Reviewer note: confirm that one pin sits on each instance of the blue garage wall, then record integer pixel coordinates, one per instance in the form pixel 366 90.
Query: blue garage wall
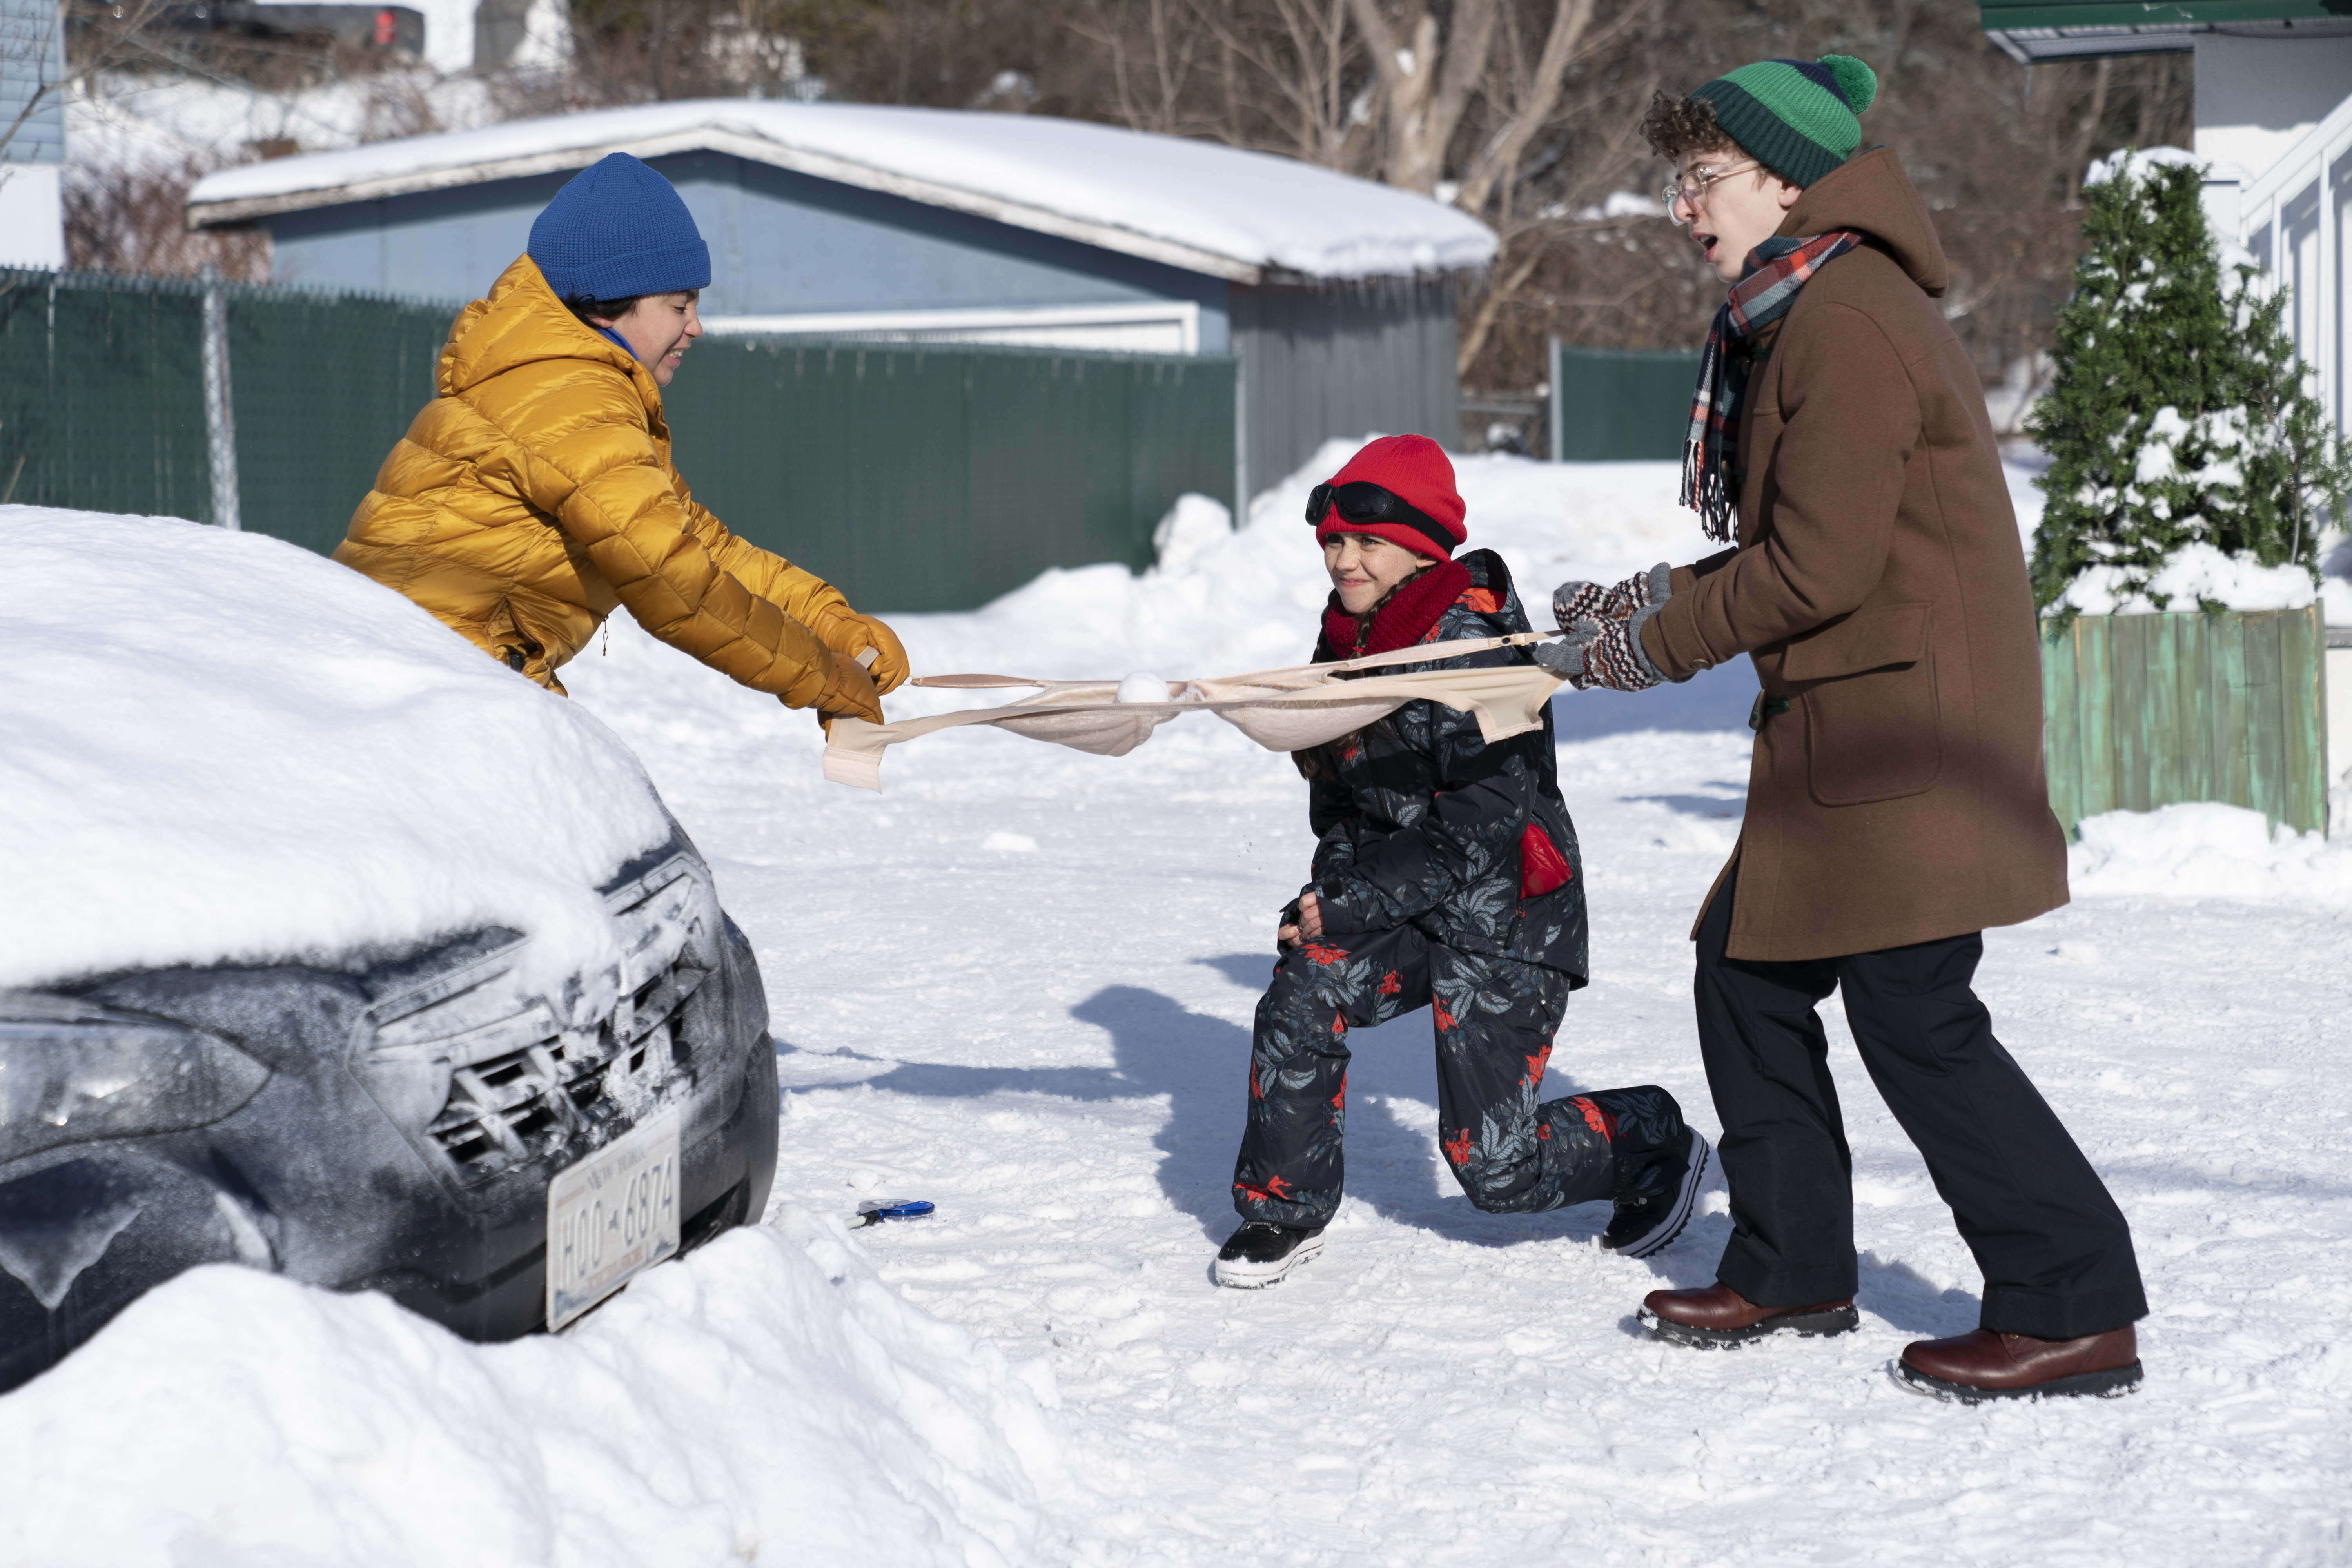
pixel 781 243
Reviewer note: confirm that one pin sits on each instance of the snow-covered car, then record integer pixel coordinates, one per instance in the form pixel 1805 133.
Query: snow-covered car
pixel 330 947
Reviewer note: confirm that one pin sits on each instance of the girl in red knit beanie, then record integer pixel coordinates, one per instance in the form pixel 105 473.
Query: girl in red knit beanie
pixel 1446 877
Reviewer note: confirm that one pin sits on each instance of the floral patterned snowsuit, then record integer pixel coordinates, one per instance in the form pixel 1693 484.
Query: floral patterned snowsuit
pixel 1418 873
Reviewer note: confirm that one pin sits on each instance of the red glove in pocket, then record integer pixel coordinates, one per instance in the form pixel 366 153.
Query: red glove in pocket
pixel 1542 867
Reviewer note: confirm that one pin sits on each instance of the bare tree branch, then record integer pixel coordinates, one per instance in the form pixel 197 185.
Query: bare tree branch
pixel 118 39
pixel 1427 85
pixel 1501 155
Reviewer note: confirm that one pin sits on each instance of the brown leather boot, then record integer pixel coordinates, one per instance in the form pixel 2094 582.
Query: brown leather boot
pixel 1720 1315
pixel 1981 1365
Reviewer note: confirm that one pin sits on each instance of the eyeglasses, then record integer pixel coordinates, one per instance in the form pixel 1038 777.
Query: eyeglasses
pixel 1692 193
pixel 1362 501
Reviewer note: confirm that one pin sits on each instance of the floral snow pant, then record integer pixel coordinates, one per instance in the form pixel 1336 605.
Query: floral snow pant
pixel 1494 1021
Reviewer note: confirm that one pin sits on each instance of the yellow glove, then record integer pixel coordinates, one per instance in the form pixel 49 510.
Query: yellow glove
pixel 848 690
pixel 889 666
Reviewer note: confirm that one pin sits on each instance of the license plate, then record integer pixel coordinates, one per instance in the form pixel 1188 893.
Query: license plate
pixel 610 1217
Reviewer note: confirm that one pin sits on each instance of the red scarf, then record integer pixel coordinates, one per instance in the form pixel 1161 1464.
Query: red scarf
pixel 1405 619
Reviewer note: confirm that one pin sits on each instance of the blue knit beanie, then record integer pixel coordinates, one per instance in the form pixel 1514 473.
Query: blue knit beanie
pixel 617 229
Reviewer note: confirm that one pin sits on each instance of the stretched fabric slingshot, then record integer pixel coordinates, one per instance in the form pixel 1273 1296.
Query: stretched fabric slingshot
pixel 1285 710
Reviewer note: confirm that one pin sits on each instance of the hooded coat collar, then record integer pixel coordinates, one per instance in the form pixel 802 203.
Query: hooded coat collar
pixel 1872 193
pixel 520 322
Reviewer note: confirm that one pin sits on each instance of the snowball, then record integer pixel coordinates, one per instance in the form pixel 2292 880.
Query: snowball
pixel 1003 843
pixel 1143 686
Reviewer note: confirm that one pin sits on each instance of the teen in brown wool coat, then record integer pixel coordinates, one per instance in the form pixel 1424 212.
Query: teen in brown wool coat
pixel 1879 587
pixel 1897 802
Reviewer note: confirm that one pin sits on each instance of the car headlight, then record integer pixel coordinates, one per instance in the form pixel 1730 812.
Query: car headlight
pixel 71 1072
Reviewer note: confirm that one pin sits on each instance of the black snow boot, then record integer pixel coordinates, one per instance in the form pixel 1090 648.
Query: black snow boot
pixel 1659 1164
pixel 1262 1252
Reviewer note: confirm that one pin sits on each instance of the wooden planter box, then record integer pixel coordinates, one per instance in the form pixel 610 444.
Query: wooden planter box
pixel 2147 711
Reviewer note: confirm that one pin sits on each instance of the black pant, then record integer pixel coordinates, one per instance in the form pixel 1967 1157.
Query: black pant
pixel 2055 1250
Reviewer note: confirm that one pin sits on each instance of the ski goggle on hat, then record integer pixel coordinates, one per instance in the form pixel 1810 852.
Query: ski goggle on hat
pixel 1362 504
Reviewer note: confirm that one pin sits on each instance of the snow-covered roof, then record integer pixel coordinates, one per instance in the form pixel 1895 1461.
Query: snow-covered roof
pixel 1247 217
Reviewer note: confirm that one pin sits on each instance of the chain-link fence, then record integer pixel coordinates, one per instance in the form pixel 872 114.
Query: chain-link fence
pixel 916 477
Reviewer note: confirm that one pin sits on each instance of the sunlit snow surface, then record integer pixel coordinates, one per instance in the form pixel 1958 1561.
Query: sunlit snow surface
pixel 1018 983
pixel 219 747
pixel 1253 209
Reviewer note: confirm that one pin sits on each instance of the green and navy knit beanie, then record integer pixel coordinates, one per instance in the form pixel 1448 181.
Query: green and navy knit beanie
pixel 616 230
pixel 1797 117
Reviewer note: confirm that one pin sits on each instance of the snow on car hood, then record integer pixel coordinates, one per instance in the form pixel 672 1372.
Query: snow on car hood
pixel 221 748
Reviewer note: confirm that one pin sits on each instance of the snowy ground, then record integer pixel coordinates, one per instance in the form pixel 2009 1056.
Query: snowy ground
pixel 1018 983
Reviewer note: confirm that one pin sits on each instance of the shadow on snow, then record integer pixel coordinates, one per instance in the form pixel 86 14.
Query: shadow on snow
pixel 1199 1064
pixel 1711 701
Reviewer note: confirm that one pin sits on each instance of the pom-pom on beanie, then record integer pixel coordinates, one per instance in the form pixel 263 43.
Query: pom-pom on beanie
pixel 1415 470
pixel 617 229
pixel 1798 119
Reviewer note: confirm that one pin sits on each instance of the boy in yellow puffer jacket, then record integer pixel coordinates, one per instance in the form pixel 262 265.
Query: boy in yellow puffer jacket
pixel 536 493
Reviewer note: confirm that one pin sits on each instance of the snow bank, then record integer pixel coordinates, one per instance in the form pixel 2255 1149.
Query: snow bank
pixel 2208 850
pixel 1193 527
pixel 222 747
pixel 769 1398
pixel 1228 600
pixel 1158 195
pixel 2195 573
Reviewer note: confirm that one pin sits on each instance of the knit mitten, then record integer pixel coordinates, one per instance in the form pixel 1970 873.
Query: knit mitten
pixel 1604 653
pixel 1654 586
pixel 1617 661
pixel 1579 600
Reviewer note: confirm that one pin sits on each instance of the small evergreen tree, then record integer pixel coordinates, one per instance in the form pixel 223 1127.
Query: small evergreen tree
pixel 2179 412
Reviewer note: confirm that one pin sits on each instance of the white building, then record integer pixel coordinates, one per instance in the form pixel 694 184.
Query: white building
pixel 2273 115
pixel 32 154
pixel 2295 214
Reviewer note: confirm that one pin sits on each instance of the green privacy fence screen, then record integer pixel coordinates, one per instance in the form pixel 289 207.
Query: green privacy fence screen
pixel 322 385
pixel 935 477
pixel 2147 711
pixel 101 396
pixel 1615 405
pixel 916 476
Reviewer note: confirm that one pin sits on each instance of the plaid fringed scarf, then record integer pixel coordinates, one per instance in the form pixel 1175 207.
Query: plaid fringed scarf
pixel 1710 487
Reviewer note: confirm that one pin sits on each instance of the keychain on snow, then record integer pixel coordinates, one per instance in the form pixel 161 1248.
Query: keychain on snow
pixel 874 1211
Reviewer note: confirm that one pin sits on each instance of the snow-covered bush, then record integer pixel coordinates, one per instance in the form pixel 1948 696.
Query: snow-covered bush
pixel 2178 414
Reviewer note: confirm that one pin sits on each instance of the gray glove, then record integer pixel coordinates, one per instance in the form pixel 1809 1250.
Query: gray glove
pixel 1598 652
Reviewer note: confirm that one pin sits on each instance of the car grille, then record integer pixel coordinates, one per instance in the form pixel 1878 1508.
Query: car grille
pixel 504 1077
